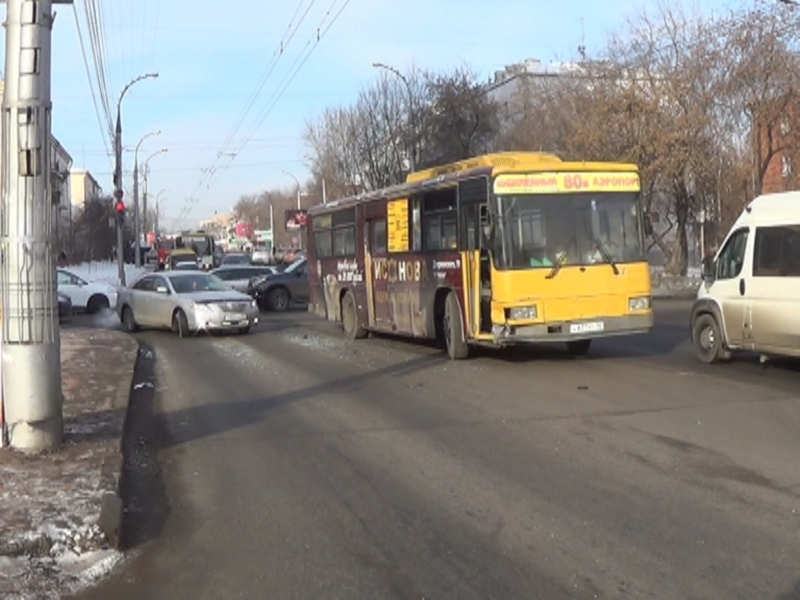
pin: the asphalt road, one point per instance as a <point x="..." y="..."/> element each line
<point x="292" y="463"/>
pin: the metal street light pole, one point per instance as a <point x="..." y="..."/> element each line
<point x="31" y="405"/>
<point x="297" y="181"/>
<point x="411" y="111"/>
<point x="136" y="229"/>
<point x="118" y="193"/>
<point x="146" y="176"/>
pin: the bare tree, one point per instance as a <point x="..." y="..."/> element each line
<point x="461" y="118"/>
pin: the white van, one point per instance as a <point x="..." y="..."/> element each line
<point x="750" y="296"/>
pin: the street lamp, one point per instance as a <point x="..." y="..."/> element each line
<point x="136" y="229"/>
<point x="411" y="112"/>
<point x="297" y="181"/>
<point x="118" y="173"/>
<point x="146" y="175"/>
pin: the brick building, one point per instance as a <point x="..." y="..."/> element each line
<point x="779" y="151"/>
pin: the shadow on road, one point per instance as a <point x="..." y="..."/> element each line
<point x="793" y="594"/>
<point x="142" y="486"/>
<point x="207" y="420"/>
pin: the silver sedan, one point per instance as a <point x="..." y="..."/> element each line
<point x="185" y="302"/>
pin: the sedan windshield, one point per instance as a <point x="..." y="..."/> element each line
<point x="188" y="284"/>
<point x="579" y="229"/>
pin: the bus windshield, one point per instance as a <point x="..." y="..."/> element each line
<point x="199" y="243"/>
<point x="545" y="230"/>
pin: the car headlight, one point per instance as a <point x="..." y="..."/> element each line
<point x="523" y="313"/>
<point x="639" y="303"/>
<point x="202" y="310"/>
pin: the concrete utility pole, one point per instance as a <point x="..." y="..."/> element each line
<point x="411" y="112"/>
<point x="31" y="344"/>
<point x="136" y="216"/>
<point x="118" y="192"/>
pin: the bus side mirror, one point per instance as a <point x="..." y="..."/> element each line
<point x="648" y="225"/>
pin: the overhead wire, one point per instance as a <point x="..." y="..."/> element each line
<point x="272" y="101"/>
<point x="103" y="129"/>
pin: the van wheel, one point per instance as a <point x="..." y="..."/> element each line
<point x="453" y="329"/>
<point x="707" y="339"/>
<point x="352" y="329"/>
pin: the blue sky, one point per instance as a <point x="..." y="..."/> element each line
<point x="210" y="57"/>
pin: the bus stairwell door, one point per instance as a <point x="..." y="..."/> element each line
<point x="472" y="195"/>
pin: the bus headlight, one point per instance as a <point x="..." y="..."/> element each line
<point x="523" y="313"/>
<point x="639" y="303"/>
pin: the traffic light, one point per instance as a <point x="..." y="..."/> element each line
<point x="119" y="205"/>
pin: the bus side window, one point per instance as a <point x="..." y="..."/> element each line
<point x="378" y="245"/>
<point x="416" y="224"/>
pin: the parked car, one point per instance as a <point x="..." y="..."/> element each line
<point x="186" y="265"/>
<point x="261" y="255"/>
<point x="179" y="255"/>
<point x="750" y="296"/>
<point x="235" y="258"/>
<point x="64" y="306"/>
<point x="277" y="291"/>
<point x="88" y="296"/>
<point x="185" y="302"/>
<point x="238" y="276"/>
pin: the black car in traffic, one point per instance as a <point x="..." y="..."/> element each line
<point x="278" y="291"/>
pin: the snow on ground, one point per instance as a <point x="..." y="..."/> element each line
<point x="105" y="272"/>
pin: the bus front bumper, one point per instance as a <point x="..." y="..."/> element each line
<point x="573" y="330"/>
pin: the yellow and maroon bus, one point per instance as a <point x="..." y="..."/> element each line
<point x="499" y="249"/>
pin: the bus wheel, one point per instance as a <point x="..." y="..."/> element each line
<point x="453" y="329"/>
<point x="579" y="347"/>
<point x="352" y="329"/>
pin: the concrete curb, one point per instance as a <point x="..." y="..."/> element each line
<point x="112" y="507"/>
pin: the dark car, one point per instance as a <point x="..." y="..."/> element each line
<point x="64" y="306"/>
<point x="278" y="291"/>
<point x="238" y="277"/>
<point x="235" y="258"/>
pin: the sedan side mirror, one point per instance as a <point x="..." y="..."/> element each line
<point x="162" y="290"/>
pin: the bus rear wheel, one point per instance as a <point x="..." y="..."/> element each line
<point x="352" y="329"/>
<point x="453" y="329"/>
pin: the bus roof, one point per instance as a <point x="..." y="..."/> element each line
<point x="504" y="162"/>
<point x="484" y="165"/>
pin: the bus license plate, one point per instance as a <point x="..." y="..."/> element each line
<point x="594" y="327"/>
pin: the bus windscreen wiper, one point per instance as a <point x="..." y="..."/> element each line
<point x="557" y="267"/>
<point x="606" y="254"/>
<point x="601" y="247"/>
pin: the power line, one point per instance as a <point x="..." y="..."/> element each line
<point x="89" y="77"/>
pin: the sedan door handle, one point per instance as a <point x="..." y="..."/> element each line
<point x="741" y="287"/>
